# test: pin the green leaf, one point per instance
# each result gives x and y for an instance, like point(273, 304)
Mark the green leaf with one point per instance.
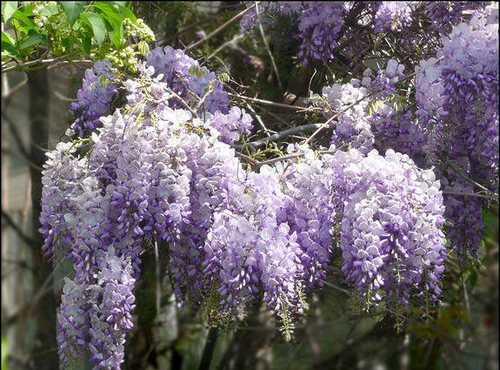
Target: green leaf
point(25, 23)
point(117, 36)
point(119, 3)
point(110, 14)
point(32, 40)
point(49, 10)
point(197, 72)
point(8, 9)
point(115, 20)
point(73, 9)
point(6, 38)
point(98, 26)
point(87, 43)
point(5, 352)
point(8, 46)
point(8, 52)
point(126, 12)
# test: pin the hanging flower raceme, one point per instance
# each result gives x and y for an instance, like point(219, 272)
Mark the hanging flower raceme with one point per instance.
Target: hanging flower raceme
point(94, 99)
point(457, 99)
point(248, 251)
point(392, 241)
point(393, 15)
point(152, 161)
point(309, 210)
point(189, 80)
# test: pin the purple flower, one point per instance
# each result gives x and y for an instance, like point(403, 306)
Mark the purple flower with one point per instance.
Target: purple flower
point(392, 242)
point(94, 99)
point(186, 77)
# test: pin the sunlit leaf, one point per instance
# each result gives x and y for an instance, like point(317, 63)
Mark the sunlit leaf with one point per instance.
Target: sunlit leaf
point(8, 9)
point(32, 40)
point(73, 9)
point(98, 27)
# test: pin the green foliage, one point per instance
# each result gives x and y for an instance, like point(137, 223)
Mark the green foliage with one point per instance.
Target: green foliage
point(74, 30)
point(73, 9)
point(5, 353)
point(8, 8)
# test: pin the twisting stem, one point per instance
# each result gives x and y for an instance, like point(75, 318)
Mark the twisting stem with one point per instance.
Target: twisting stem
point(208, 351)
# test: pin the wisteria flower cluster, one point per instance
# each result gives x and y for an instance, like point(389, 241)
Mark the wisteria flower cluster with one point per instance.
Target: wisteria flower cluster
point(457, 100)
point(170, 177)
point(320, 25)
point(393, 15)
point(94, 99)
point(388, 203)
point(454, 125)
point(151, 161)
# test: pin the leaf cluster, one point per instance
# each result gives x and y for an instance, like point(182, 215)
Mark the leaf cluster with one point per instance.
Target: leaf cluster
point(71, 30)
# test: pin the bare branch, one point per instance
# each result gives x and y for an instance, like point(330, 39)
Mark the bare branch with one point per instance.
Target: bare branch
point(336, 115)
point(40, 63)
point(281, 135)
point(266, 45)
point(8, 93)
point(274, 104)
point(233, 41)
point(6, 151)
point(259, 119)
point(219, 29)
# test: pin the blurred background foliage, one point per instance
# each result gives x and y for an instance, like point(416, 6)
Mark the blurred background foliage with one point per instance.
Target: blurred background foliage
point(51, 45)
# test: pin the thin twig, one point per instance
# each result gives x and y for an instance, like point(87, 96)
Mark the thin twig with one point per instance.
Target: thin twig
point(294, 155)
point(266, 45)
point(250, 160)
point(336, 287)
point(203, 98)
point(459, 171)
point(78, 61)
point(186, 105)
point(8, 93)
point(50, 63)
point(61, 97)
point(257, 117)
point(281, 135)
point(8, 151)
point(336, 115)
point(468, 194)
point(219, 29)
point(275, 116)
point(30, 306)
point(22, 264)
point(234, 40)
point(274, 104)
point(257, 164)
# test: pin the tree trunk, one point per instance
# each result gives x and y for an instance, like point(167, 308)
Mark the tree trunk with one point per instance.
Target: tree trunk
point(44, 354)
